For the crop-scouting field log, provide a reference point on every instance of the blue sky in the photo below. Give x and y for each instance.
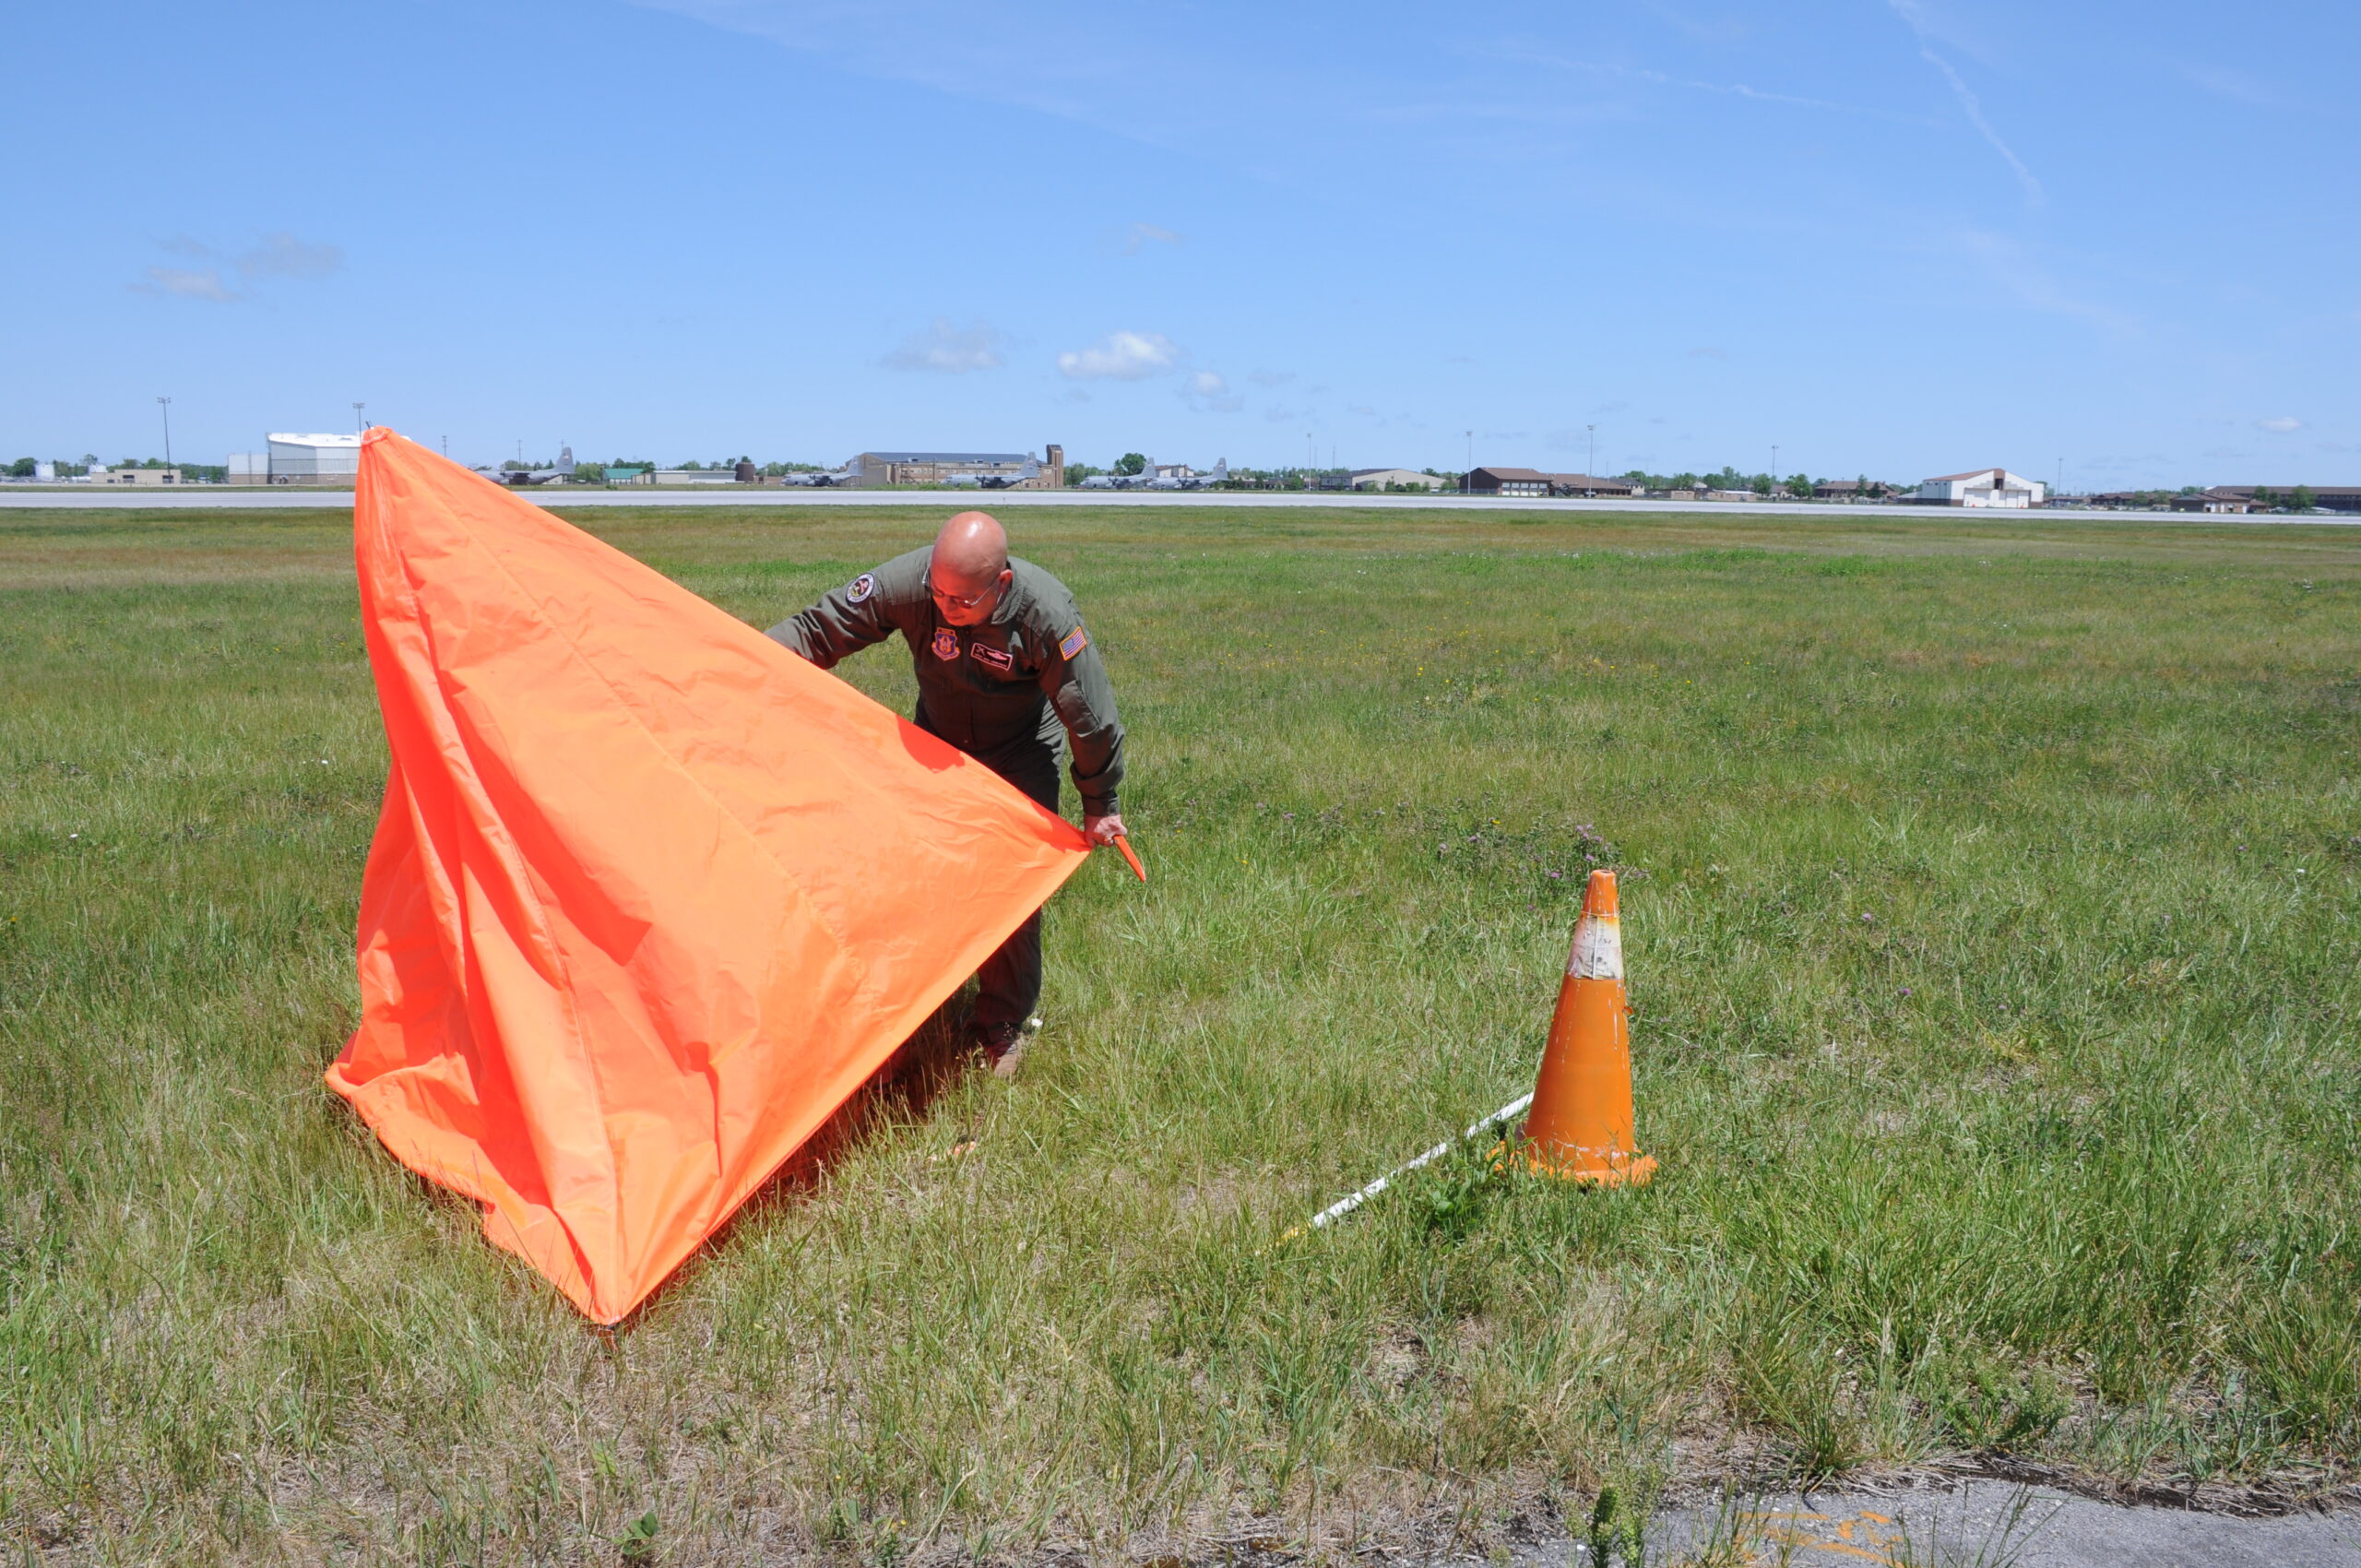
(1895, 236)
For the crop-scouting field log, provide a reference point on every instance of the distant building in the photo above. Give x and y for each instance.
(249, 468)
(1846, 490)
(1982, 487)
(936, 468)
(308, 459)
(1532, 481)
(626, 473)
(1380, 478)
(1508, 482)
(136, 476)
(692, 476)
(2221, 502)
(2325, 497)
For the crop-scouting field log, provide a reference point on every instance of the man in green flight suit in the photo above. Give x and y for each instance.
(1006, 671)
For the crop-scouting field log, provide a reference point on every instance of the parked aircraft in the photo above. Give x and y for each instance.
(1032, 469)
(519, 478)
(1193, 482)
(835, 479)
(1143, 480)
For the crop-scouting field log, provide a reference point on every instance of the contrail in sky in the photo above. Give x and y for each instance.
(1908, 11)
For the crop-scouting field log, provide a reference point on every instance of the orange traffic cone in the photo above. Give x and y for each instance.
(1580, 1127)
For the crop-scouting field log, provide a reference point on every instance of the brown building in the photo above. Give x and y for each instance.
(1849, 490)
(2213, 500)
(1532, 481)
(2263, 498)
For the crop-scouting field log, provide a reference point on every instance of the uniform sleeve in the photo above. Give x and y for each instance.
(1084, 699)
(846, 620)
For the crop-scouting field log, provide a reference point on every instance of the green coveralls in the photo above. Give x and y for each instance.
(1004, 692)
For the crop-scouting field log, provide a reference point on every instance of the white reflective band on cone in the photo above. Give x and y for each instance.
(1598, 948)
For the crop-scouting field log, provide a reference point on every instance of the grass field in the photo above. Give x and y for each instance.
(1990, 897)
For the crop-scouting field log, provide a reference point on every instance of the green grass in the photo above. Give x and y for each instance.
(1989, 900)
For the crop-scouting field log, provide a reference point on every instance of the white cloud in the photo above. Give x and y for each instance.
(1122, 356)
(2237, 86)
(2280, 425)
(1207, 391)
(1139, 236)
(2009, 264)
(283, 255)
(1658, 78)
(187, 283)
(278, 254)
(1720, 29)
(949, 350)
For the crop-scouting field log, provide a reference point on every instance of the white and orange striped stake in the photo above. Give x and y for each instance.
(1580, 1126)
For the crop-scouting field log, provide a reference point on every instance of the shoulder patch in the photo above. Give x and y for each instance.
(862, 586)
(946, 643)
(1075, 641)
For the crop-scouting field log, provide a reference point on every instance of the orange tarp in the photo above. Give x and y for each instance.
(650, 896)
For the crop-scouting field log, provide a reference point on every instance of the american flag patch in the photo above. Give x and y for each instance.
(1076, 642)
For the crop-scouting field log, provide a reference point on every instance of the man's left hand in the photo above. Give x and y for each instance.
(1102, 829)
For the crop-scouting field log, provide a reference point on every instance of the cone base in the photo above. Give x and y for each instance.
(1585, 1168)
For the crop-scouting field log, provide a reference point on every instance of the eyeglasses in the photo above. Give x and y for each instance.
(954, 602)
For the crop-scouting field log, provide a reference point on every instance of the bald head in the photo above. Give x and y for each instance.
(972, 546)
(968, 571)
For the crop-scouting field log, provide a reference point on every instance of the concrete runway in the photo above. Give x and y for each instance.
(1982, 1523)
(225, 498)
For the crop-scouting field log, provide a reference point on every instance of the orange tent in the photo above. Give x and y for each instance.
(650, 896)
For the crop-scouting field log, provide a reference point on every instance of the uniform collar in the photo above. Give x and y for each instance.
(1012, 605)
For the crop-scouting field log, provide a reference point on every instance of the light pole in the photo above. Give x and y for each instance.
(1590, 464)
(357, 427)
(166, 404)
